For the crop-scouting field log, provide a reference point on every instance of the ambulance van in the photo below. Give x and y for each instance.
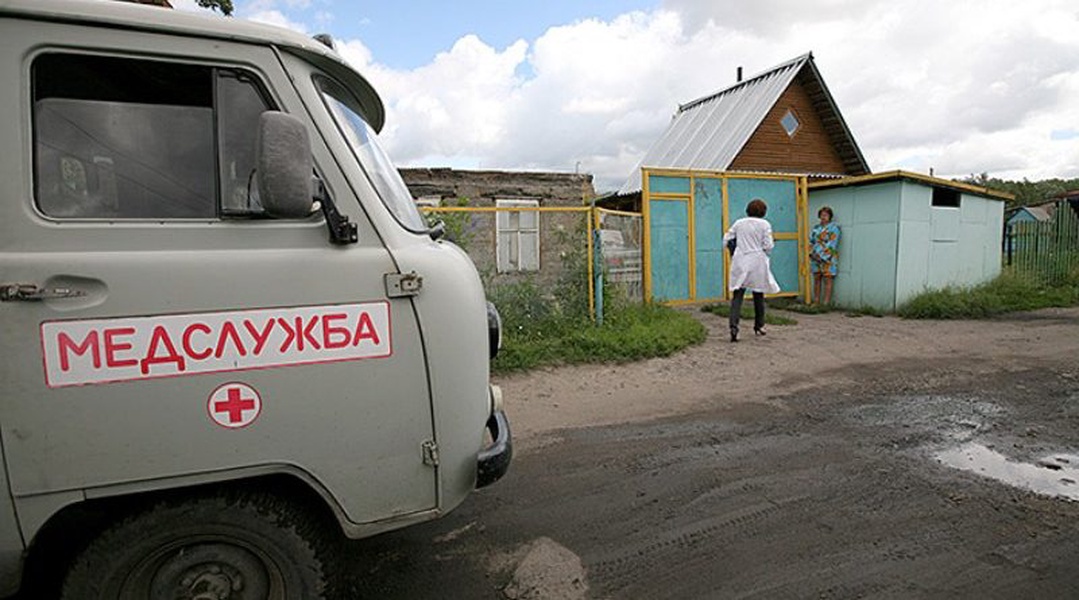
(228, 335)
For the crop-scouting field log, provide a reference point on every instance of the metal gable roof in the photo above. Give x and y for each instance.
(708, 133)
(1039, 214)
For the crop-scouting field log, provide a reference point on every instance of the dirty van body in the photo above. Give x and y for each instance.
(226, 328)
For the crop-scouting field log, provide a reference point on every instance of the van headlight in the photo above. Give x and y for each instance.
(494, 329)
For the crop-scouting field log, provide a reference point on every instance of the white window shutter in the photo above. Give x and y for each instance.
(529, 219)
(529, 251)
(517, 234)
(505, 252)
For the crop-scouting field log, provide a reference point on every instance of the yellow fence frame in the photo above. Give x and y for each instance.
(592, 224)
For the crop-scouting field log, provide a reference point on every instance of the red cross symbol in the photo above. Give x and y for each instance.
(234, 405)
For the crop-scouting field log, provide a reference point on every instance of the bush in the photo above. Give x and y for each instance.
(628, 333)
(550, 322)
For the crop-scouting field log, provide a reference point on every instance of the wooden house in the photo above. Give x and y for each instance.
(765, 136)
(781, 121)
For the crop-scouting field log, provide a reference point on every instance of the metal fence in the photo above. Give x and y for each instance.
(545, 259)
(1045, 250)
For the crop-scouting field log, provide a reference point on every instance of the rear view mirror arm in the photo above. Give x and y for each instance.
(342, 231)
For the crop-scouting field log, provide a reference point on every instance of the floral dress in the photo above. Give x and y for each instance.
(824, 249)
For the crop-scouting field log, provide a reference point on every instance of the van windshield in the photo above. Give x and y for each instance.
(376, 165)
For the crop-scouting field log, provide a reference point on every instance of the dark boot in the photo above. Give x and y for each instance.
(736, 312)
(758, 316)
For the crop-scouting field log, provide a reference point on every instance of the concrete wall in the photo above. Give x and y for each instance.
(483, 187)
(561, 234)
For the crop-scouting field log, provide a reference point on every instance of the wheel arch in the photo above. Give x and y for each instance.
(68, 531)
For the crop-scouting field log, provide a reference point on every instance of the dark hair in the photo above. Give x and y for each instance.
(757, 208)
(826, 209)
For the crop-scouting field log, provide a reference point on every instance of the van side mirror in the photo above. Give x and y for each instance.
(284, 166)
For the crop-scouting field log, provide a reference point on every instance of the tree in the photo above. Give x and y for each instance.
(225, 6)
(1026, 192)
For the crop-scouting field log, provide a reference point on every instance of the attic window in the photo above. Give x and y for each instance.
(945, 197)
(790, 123)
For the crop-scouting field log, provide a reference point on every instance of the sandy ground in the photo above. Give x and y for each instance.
(788, 359)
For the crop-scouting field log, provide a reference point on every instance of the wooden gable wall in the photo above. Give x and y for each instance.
(810, 150)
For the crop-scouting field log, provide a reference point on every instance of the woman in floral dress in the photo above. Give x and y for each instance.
(824, 256)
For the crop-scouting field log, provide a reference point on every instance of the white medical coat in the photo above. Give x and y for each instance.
(750, 265)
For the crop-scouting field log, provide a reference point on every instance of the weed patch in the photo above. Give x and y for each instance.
(627, 334)
(1009, 292)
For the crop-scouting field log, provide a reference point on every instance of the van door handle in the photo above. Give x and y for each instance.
(29, 292)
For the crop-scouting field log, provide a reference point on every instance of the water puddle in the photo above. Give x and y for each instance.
(1054, 475)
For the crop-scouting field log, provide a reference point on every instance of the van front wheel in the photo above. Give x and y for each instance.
(253, 547)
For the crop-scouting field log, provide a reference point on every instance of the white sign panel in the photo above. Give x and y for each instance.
(234, 405)
(128, 348)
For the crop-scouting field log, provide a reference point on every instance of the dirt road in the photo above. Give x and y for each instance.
(831, 349)
(839, 458)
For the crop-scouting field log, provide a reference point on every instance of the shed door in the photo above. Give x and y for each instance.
(708, 247)
(670, 249)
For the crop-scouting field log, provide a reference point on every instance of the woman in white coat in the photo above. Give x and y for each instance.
(750, 264)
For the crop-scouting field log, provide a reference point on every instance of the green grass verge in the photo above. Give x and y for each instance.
(628, 333)
(1007, 293)
(770, 318)
(796, 306)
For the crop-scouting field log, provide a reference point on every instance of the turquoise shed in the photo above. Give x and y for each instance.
(903, 233)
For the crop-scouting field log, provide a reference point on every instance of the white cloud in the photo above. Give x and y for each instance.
(187, 5)
(963, 87)
(458, 104)
(275, 17)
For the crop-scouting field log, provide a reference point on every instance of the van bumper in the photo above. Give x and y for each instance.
(493, 461)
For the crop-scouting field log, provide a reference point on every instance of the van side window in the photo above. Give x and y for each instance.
(239, 104)
(121, 138)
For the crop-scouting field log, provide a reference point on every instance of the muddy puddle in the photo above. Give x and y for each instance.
(1053, 475)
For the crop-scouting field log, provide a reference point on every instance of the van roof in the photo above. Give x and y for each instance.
(126, 15)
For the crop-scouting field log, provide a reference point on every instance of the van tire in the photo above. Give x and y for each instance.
(260, 546)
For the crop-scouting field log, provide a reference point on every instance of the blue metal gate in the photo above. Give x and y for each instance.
(685, 216)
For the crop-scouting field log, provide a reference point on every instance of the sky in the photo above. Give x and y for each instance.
(954, 88)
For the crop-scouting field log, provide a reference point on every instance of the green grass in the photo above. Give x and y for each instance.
(538, 333)
(1007, 293)
(795, 305)
(628, 333)
(770, 318)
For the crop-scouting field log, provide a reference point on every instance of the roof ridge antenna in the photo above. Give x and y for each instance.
(807, 57)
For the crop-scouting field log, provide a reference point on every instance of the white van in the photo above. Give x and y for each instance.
(225, 327)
